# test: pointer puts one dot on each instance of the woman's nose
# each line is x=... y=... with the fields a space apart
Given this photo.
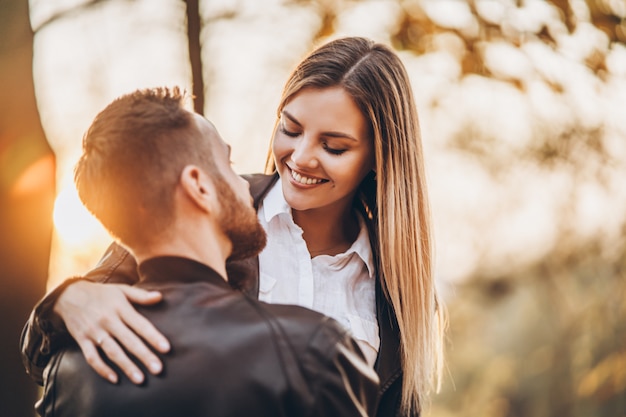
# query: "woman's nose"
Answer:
x=303 y=154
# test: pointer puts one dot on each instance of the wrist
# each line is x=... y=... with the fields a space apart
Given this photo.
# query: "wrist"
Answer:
x=47 y=317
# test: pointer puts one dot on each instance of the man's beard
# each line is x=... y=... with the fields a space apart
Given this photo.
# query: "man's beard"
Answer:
x=240 y=224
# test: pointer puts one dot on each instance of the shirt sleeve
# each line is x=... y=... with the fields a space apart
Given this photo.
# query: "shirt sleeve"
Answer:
x=45 y=331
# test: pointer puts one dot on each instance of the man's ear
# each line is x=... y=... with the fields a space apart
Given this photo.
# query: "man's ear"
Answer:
x=198 y=187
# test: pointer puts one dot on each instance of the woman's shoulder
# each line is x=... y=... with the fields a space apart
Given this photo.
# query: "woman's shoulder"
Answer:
x=260 y=184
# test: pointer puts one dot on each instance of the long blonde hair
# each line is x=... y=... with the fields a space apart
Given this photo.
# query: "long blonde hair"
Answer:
x=396 y=196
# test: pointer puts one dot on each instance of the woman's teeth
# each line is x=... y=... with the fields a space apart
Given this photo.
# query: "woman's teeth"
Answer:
x=305 y=180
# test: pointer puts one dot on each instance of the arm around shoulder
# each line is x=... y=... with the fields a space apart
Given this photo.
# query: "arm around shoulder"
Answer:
x=44 y=329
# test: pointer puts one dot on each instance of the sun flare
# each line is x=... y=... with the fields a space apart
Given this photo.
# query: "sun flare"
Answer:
x=74 y=225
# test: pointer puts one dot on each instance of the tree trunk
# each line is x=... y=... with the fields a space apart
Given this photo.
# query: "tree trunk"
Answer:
x=195 y=54
x=26 y=199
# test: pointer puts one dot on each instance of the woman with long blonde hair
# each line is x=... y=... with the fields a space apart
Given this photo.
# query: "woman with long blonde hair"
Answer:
x=345 y=206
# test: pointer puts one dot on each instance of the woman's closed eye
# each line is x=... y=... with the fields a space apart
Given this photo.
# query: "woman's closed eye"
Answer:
x=294 y=134
x=333 y=151
x=289 y=133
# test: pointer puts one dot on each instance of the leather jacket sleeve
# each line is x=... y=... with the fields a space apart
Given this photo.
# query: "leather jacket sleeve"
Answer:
x=45 y=331
x=348 y=386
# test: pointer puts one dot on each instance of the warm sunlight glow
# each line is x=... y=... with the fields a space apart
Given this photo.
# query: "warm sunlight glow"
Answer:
x=74 y=225
x=37 y=176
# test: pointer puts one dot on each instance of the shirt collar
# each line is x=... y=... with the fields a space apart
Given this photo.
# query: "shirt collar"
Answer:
x=362 y=247
x=275 y=204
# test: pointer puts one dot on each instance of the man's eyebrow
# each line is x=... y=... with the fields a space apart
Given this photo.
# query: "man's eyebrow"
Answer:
x=332 y=134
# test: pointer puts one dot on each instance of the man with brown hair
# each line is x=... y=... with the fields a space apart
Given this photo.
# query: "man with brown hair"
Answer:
x=159 y=179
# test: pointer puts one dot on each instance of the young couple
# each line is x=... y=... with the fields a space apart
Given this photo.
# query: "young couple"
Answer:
x=345 y=209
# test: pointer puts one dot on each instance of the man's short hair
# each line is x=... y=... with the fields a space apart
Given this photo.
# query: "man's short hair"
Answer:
x=133 y=156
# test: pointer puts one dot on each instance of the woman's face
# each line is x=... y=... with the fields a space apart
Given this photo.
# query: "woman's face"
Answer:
x=322 y=149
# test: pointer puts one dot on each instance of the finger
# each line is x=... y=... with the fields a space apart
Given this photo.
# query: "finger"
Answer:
x=144 y=329
x=116 y=354
x=95 y=361
x=141 y=296
x=136 y=347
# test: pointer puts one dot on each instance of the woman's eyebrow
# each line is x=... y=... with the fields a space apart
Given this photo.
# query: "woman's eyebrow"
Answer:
x=290 y=117
x=340 y=135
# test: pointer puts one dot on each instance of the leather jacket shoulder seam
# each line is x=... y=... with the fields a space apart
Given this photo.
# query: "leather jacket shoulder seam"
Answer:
x=115 y=265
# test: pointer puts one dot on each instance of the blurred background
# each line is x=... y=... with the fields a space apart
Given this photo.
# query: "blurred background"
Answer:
x=523 y=111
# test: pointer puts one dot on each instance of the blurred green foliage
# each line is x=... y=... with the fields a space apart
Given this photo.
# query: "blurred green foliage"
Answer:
x=549 y=340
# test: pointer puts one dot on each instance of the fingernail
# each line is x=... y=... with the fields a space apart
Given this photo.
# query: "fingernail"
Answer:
x=164 y=346
x=137 y=377
x=155 y=367
x=112 y=378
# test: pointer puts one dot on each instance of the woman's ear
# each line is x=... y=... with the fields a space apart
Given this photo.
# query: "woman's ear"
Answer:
x=198 y=187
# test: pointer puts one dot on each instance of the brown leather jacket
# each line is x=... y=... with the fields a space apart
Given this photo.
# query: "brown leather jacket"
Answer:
x=43 y=332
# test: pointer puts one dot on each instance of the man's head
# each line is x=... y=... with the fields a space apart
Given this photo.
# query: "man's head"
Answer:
x=144 y=154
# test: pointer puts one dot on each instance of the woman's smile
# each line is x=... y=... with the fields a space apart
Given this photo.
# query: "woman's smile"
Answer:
x=305 y=179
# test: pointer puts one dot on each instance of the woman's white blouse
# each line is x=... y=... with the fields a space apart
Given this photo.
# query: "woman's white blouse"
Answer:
x=340 y=286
